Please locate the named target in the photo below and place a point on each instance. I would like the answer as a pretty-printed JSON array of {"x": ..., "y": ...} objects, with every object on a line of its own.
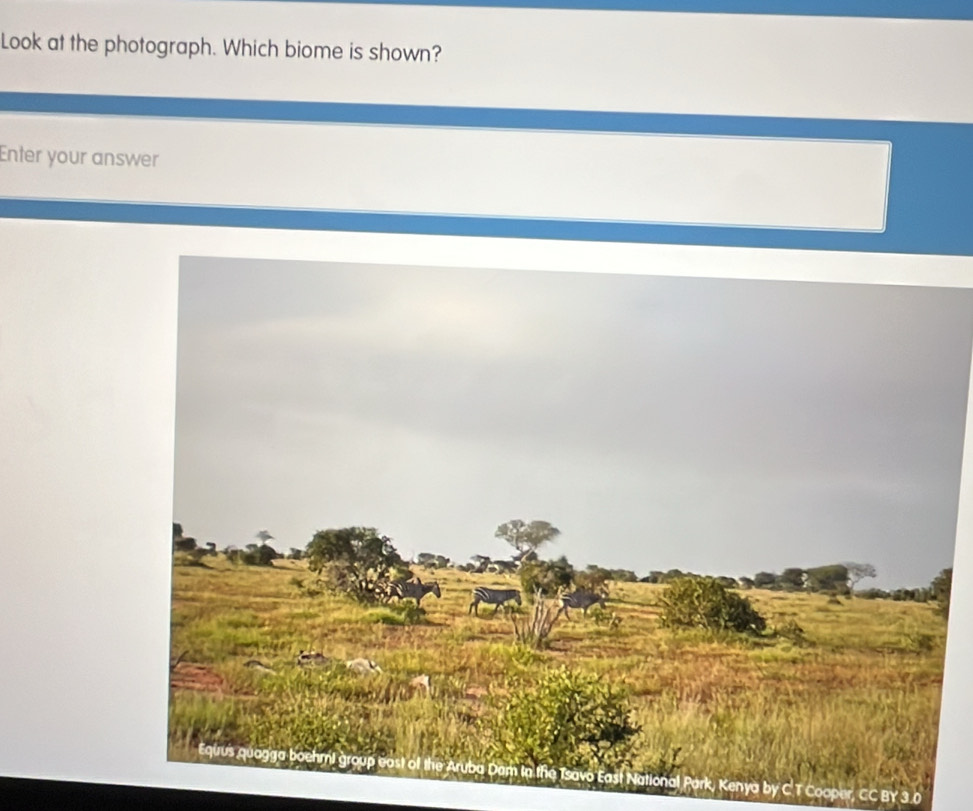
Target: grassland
[{"x": 844, "y": 695}]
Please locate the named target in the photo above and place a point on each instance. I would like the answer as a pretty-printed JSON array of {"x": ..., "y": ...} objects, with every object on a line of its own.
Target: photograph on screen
[{"x": 658, "y": 534}]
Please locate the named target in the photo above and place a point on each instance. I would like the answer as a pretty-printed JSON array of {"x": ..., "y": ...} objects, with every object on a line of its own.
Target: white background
[
  {"x": 787, "y": 182},
  {"x": 729, "y": 64},
  {"x": 87, "y": 393}
]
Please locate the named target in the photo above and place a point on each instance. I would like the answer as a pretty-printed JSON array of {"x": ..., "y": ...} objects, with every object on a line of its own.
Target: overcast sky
[{"x": 713, "y": 425}]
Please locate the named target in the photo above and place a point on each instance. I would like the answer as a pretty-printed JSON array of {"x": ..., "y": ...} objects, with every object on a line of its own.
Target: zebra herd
[{"x": 498, "y": 598}]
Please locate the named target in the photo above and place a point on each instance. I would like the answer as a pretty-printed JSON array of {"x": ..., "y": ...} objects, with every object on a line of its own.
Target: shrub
[
  {"x": 184, "y": 544},
  {"x": 259, "y": 555},
  {"x": 594, "y": 578},
  {"x": 306, "y": 723},
  {"x": 568, "y": 719},
  {"x": 546, "y": 576},
  {"x": 604, "y": 618},
  {"x": 941, "y": 587},
  {"x": 704, "y": 602},
  {"x": 354, "y": 560},
  {"x": 534, "y": 630},
  {"x": 253, "y": 555}
]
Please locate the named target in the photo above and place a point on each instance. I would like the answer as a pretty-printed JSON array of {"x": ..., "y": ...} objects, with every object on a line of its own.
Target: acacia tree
[
  {"x": 858, "y": 572},
  {"x": 526, "y": 537},
  {"x": 354, "y": 560}
]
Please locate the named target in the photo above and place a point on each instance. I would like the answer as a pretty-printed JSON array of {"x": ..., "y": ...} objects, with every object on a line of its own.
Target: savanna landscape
[
  {"x": 669, "y": 424},
  {"x": 833, "y": 693}
]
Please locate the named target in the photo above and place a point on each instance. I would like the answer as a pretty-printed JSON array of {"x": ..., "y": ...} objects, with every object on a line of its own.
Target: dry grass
[{"x": 856, "y": 704}]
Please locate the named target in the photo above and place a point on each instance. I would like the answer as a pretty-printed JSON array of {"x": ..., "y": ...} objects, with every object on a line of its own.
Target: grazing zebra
[
  {"x": 580, "y": 599},
  {"x": 405, "y": 589},
  {"x": 495, "y": 597}
]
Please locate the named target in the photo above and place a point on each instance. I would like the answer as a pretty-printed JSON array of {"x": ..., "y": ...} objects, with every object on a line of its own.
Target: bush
[
  {"x": 604, "y": 618},
  {"x": 704, "y": 602},
  {"x": 253, "y": 555},
  {"x": 568, "y": 719},
  {"x": 941, "y": 588},
  {"x": 533, "y": 631},
  {"x": 546, "y": 576},
  {"x": 832, "y": 578},
  {"x": 259, "y": 555},
  {"x": 309, "y": 724},
  {"x": 354, "y": 561},
  {"x": 594, "y": 579}
]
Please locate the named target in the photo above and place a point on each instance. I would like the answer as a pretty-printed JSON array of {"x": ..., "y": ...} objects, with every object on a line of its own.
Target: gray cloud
[{"x": 711, "y": 424}]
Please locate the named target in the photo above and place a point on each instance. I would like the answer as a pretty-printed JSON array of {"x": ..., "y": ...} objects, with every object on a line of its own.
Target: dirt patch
[{"x": 201, "y": 679}]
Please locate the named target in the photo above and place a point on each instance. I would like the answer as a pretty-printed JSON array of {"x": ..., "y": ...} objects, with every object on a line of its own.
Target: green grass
[{"x": 852, "y": 700}]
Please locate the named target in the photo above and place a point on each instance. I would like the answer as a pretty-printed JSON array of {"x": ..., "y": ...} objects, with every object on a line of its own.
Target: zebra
[
  {"x": 580, "y": 599},
  {"x": 495, "y": 597},
  {"x": 405, "y": 589}
]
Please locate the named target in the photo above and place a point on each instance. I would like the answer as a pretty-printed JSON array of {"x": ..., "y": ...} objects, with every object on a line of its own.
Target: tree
[
  {"x": 354, "y": 560},
  {"x": 858, "y": 572},
  {"x": 263, "y": 536},
  {"x": 546, "y": 576},
  {"x": 942, "y": 586},
  {"x": 764, "y": 580},
  {"x": 833, "y": 578},
  {"x": 526, "y": 537},
  {"x": 593, "y": 578},
  {"x": 180, "y": 542},
  {"x": 259, "y": 554},
  {"x": 791, "y": 579}
]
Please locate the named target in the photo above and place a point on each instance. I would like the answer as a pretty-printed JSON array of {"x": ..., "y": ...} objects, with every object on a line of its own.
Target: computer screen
[{"x": 489, "y": 405}]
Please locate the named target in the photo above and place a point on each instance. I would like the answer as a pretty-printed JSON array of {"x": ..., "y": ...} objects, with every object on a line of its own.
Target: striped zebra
[
  {"x": 580, "y": 599},
  {"x": 405, "y": 589},
  {"x": 494, "y": 597}
]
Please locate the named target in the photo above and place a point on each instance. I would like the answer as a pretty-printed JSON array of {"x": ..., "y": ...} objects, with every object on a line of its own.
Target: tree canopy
[
  {"x": 942, "y": 587},
  {"x": 354, "y": 560},
  {"x": 858, "y": 572},
  {"x": 527, "y": 537}
]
